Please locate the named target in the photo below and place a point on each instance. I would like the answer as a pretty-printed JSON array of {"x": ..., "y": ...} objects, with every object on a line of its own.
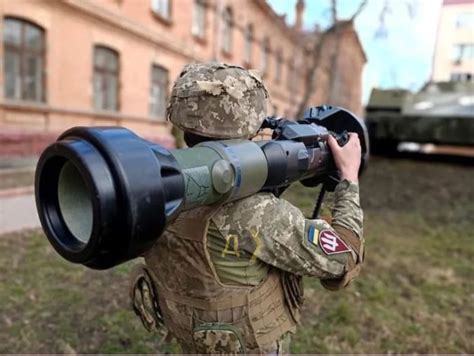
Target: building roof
[
  {"x": 301, "y": 36},
  {"x": 457, "y": 2},
  {"x": 278, "y": 20}
]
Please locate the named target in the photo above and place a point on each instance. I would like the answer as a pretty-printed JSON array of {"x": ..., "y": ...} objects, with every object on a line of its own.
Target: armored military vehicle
[{"x": 440, "y": 113}]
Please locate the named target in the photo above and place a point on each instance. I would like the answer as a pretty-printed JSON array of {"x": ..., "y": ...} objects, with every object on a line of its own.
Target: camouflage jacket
[
  {"x": 247, "y": 236},
  {"x": 198, "y": 268}
]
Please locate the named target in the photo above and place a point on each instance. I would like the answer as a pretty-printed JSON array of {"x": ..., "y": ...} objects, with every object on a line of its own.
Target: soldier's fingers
[
  {"x": 333, "y": 145},
  {"x": 354, "y": 135},
  {"x": 354, "y": 138}
]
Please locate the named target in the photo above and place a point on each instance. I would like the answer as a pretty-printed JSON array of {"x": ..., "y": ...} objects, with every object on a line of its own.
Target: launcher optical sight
[{"x": 105, "y": 195}]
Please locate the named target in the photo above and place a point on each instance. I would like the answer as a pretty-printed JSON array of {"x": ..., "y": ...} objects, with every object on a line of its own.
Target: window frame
[
  {"x": 279, "y": 66},
  {"x": 195, "y": 26},
  {"x": 227, "y": 40},
  {"x": 462, "y": 52},
  {"x": 159, "y": 83},
  {"x": 106, "y": 72},
  {"x": 461, "y": 77},
  {"x": 265, "y": 55},
  {"x": 248, "y": 44},
  {"x": 291, "y": 74},
  {"x": 164, "y": 18},
  {"x": 23, "y": 52},
  {"x": 462, "y": 21}
]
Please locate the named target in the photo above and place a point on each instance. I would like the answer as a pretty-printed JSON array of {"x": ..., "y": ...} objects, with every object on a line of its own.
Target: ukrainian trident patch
[{"x": 331, "y": 244}]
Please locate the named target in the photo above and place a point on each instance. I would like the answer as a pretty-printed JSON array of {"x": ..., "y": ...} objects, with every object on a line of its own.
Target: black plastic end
[{"x": 133, "y": 194}]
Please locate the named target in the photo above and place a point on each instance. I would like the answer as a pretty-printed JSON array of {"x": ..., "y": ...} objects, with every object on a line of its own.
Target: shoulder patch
[
  {"x": 331, "y": 244},
  {"x": 313, "y": 234}
]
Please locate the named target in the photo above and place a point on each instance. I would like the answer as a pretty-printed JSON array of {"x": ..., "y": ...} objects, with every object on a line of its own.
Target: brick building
[
  {"x": 453, "y": 58},
  {"x": 112, "y": 62}
]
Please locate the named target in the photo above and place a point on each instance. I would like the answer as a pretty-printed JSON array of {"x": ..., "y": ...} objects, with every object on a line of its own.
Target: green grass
[
  {"x": 415, "y": 294},
  {"x": 49, "y": 305}
]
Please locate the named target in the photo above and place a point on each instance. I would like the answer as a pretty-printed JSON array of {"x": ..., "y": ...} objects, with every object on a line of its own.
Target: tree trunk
[{"x": 310, "y": 81}]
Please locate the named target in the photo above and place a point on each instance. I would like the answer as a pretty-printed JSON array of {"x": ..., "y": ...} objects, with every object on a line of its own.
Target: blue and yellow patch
[{"x": 313, "y": 235}]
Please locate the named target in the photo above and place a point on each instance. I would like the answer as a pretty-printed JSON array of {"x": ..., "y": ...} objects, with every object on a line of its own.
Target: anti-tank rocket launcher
[{"x": 105, "y": 195}]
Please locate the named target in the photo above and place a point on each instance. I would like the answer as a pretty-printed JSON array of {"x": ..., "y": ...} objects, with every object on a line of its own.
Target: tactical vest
[{"x": 208, "y": 316}]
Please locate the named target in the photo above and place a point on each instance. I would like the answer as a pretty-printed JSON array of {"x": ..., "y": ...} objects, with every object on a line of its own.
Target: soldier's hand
[{"x": 347, "y": 158}]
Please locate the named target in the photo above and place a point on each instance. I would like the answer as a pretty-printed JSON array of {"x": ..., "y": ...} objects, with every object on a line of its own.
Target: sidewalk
[
  {"x": 18, "y": 212},
  {"x": 17, "y": 202}
]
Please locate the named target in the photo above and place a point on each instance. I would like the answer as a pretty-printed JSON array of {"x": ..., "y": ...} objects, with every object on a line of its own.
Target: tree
[{"x": 315, "y": 52}]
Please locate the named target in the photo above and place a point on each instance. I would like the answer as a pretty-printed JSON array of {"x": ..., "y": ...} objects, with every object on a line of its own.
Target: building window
[
  {"x": 461, "y": 77},
  {"x": 158, "y": 91},
  {"x": 24, "y": 62},
  {"x": 264, "y": 55},
  {"x": 106, "y": 79},
  {"x": 248, "y": 44},
  {"x": 199, "y": 19},
  {"x": 465, "y": 20},
  {"x": 291, "y": 75},
  {"x": 463, "y": 51},
  {"x": 161, "y": 8},
  {"x": 279, "y": 66},
  {"x": 297, "y": 72},
  {"x": 227, "y": 24}
]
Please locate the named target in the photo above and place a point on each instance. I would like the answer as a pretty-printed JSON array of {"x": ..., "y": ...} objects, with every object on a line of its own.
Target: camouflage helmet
[{"x": 218, "y": 100}]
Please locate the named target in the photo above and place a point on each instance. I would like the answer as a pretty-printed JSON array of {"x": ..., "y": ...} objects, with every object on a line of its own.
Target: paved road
[{"x": 18, "y": 212}]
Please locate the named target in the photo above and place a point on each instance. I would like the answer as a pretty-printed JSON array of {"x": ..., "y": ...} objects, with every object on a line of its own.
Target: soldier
[{"x": 227, "y": 278}]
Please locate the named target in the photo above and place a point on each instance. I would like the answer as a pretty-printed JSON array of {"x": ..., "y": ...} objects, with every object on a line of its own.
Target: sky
[{"x": 401, "y": 56}]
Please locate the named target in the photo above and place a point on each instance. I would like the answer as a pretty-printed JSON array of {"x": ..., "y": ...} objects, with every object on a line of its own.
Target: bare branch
[
  {"x": 381, "y": 31},
  {"x": 411, "y": 8},
  {"x": 361, "y": 7},
  {"x": 316, "y": 56}
]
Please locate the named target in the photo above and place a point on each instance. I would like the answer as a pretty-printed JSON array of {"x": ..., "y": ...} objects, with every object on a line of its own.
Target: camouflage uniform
[
  {"x": 264, "y": 231},
  {"x": 227, "y": 279}
]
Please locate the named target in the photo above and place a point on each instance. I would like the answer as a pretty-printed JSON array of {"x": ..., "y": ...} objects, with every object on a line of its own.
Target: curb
[{"x": 13, "y": 192}]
